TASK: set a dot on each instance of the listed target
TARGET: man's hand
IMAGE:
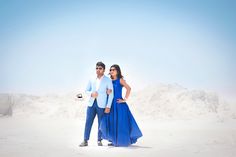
(107, 110)
(109, 91)
(94, 94)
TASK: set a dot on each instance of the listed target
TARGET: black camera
(79, 96)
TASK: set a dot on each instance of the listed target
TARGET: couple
(115, 121)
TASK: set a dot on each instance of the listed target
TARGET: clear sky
(54, 45)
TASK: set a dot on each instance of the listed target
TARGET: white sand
(174, 121)
(60, 137)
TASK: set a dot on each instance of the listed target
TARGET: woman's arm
(128, 90)
(127, 87)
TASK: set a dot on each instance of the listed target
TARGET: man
(99, 101)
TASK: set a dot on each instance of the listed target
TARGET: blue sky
(50, 46)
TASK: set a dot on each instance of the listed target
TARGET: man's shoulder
(107, 78)
(92, 78)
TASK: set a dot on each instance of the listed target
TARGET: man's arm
(111, 95)
(88, 90)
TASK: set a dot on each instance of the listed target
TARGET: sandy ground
(175, 121)
(47, 137)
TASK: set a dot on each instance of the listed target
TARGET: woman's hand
(120, 101)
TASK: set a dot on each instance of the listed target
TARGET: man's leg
(91, 113)
(100, 112)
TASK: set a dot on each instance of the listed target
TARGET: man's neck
(100, 76)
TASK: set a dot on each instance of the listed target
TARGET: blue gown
(119, 126)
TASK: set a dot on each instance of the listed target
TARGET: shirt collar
(100, 78)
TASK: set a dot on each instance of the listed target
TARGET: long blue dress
(119, 126)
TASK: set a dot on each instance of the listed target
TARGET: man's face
(99, 70)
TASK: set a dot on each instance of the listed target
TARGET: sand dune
(175, 122)
(160, 102)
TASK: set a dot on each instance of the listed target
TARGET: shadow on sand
(134, 147)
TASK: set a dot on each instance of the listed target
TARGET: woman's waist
(118, 97)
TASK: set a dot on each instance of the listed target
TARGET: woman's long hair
(117, 67)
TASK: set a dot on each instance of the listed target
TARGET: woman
(119, 126)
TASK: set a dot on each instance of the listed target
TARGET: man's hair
(101, 64)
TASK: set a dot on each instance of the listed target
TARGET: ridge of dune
(158, 101)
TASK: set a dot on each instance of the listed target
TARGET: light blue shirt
(103, 100)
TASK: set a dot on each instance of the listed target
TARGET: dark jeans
(91, 113)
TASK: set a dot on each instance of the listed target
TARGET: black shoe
(99, 143)
(84, 144)
(110, 144)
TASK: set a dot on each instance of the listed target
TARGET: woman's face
(113, 72)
